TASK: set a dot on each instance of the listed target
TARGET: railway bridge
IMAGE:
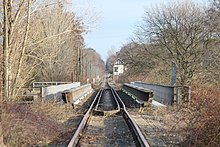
(113, 116)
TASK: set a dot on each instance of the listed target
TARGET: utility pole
(90, 69)
(78, 64)
(86, 69)
(79, 58)
(82, 65)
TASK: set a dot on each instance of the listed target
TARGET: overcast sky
(116, 21)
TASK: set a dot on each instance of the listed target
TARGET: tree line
(183, 33)
(41, 41)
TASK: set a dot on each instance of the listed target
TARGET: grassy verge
(190, 125)
(35, 124)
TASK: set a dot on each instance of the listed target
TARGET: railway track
(107, 123)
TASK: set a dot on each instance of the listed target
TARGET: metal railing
(141, 95)
(29, 93)
(165, 94)
(73, 95)
(43, 89)
(54, 91)
(45, 84)
(162, 94)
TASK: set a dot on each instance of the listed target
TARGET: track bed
(107, 131)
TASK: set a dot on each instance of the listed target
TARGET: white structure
(55, 91)
(118, 67)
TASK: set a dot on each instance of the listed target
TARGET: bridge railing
(45, 84)
(139, 94)
(46, 90)
(54, 91)
(74, 95)
(164, 94)
(29, 93)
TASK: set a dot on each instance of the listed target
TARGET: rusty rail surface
(98, 101)
(136, 133)
(74, 141)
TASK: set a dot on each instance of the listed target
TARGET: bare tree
(1, 102)
(135, 57)
(110, 60)
(58, 40)
(213, 15)
(211, 61)
(93, 66)
(40, 41)
(179, 30)
(16, 18)
(5, 47)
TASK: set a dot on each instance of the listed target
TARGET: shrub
(204, 110)
(25, 126)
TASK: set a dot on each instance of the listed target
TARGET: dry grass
(168, 123)
(35, 124)
(205, 125)
(192, 125)
(58, 111)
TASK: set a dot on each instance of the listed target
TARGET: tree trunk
(1, 105)
(5, 50)
(5, 67)
(185, 83)
(1, 134)
(21, 58)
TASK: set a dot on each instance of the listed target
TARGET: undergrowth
(34, 124)
(196, 124)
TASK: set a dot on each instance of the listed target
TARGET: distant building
(118, 69)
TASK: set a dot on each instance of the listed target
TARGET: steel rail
(137, 134)
(116, 100)
(100, 96)
(76, 137)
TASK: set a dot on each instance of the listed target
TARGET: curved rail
(74, 141)
(137, 134)
(118, 105)
(97, 105)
